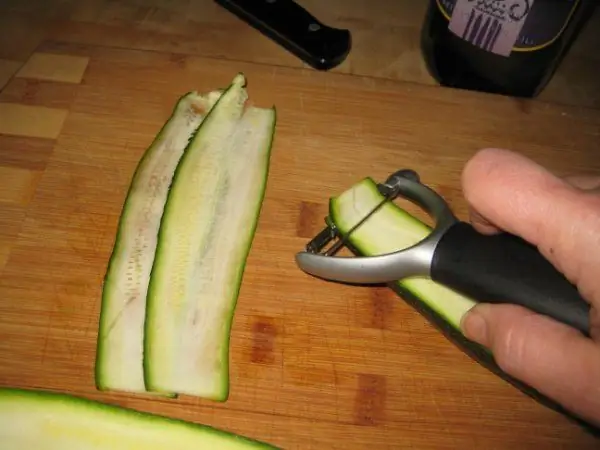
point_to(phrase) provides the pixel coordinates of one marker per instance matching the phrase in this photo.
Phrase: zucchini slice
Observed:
(43, 420)
(119, 356)
(390, 229)
(205, 237)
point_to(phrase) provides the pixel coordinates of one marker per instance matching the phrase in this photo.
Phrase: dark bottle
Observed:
(509, 47)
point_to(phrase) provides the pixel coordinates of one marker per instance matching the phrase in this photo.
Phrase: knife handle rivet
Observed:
(314, 27)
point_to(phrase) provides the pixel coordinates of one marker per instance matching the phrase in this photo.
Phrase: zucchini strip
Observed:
(119, 356)
(43, 420)
(205, 237)
(390, 229)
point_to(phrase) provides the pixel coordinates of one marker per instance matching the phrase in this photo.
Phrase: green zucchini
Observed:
(43, 420)
(392, 228)
(119, 356)
(205, 236)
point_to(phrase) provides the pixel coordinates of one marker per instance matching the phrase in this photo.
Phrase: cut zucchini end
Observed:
(216, 393)
(220, 395)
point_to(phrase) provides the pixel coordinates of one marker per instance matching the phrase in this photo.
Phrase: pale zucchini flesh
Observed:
(205, 237)
(389, 229)
(43, 420)
(119, 360)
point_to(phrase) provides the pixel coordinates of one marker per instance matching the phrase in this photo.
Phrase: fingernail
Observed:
(475, 327)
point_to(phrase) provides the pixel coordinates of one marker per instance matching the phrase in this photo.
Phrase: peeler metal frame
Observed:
(411, 261)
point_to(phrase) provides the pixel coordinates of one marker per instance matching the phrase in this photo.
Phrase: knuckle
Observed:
(509, 347)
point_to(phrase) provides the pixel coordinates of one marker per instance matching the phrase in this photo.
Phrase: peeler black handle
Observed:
(295, 29)
(503, 268)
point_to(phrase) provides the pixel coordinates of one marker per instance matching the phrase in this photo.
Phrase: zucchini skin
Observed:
(48, 409)
(475, 351)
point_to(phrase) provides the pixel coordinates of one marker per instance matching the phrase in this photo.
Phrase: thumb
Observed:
(551, 357)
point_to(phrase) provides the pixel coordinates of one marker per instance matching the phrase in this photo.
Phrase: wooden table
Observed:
(385, 37)
(313, 365)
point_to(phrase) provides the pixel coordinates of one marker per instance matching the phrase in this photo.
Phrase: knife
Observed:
(295, 29)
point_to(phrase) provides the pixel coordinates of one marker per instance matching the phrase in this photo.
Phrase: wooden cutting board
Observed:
(313, 364)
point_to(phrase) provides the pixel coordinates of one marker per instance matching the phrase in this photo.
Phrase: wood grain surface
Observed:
(385, 37)
(313, 364)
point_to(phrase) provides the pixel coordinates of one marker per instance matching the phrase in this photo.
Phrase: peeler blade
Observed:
(322, 239)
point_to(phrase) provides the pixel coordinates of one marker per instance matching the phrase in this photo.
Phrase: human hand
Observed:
(561, 216)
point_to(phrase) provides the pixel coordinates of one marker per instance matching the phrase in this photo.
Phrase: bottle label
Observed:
(504, 26)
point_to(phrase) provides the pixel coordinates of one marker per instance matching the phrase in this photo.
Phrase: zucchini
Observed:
(43, 420)
(391, 228)
(119, 356)
(205, 236)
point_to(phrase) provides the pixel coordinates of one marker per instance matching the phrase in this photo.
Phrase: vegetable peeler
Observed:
(499, 268)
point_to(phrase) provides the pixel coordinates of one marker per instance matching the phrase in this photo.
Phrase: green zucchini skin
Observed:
(45, 420)
(358, 243)
(119, 348)
(205, 237)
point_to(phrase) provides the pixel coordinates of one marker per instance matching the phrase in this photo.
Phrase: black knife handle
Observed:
(295, 29)
(503, 268)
